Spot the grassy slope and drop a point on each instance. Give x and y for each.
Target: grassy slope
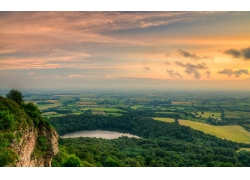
(234, 133)
(164, 119)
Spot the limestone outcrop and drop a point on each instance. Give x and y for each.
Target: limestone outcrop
(26, 138)
(27, 146)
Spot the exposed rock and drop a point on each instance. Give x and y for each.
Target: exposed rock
(26, 146)
(26, 139)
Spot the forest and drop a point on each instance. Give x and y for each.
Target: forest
(161, 144)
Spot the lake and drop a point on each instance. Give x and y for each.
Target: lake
(97, 134)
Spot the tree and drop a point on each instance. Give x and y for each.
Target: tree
(15, 95)
(72, 161)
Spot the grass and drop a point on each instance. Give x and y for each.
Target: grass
(46, 106)
(99, 109)
(243, 149)
(86, 103)
(234, 133)
(229, 114)
(164, 119)
(208, 113)
(181, 103)
(49, 113)
(55, 115)
(136, 106)
(166, 112)
(248, 125)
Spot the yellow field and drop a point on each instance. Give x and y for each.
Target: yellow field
(164, 119)
(234, 133)
(242, 149)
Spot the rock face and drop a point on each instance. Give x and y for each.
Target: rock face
(26, 147)
(26, 139)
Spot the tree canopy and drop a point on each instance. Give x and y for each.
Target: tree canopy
(15, 95)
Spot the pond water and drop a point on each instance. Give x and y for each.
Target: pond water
(97, 134)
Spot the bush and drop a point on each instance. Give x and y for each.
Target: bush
(72, 161)
(15, 95)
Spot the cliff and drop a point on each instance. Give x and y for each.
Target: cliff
(26, 139)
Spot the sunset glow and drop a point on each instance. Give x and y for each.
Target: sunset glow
(84, 50)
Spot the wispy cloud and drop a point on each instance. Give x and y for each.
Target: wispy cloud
(208, 73)
(237, 73)
(242, 53)
(192, 69)
(241, 71)
(190, 55)
(174, 74)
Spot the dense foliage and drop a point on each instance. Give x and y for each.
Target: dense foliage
(15, 95)
(15, 116)
(161, 144)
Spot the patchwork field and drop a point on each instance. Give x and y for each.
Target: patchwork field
(234, 133)
(229, 114)
(174, 103)
(86, 103)
(46, 106)
(208, 114)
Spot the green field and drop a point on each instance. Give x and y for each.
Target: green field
(164, 119)
(207, 114)
(99, 109)
(234, 114)
(234, 133)
(86, 103)
(46, 106)
(49, 113)
(136, 106)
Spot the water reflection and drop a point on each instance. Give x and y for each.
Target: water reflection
(97, 134)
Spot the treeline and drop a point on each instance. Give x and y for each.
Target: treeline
(162, 144)
(132, 152)
(45, 102)
(62, 111)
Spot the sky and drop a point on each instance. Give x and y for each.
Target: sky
(77, 50)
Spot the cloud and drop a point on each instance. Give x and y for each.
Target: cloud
(31, 73)
(168, 63)
(208, 73)
(246, 53)
(147, 68)
(242, 53)
(192, 69)
(174, 74)
(230, 72)
(241, 71)
(192, 56)
(235, 53)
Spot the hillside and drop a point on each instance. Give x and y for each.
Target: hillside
(26, 139)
